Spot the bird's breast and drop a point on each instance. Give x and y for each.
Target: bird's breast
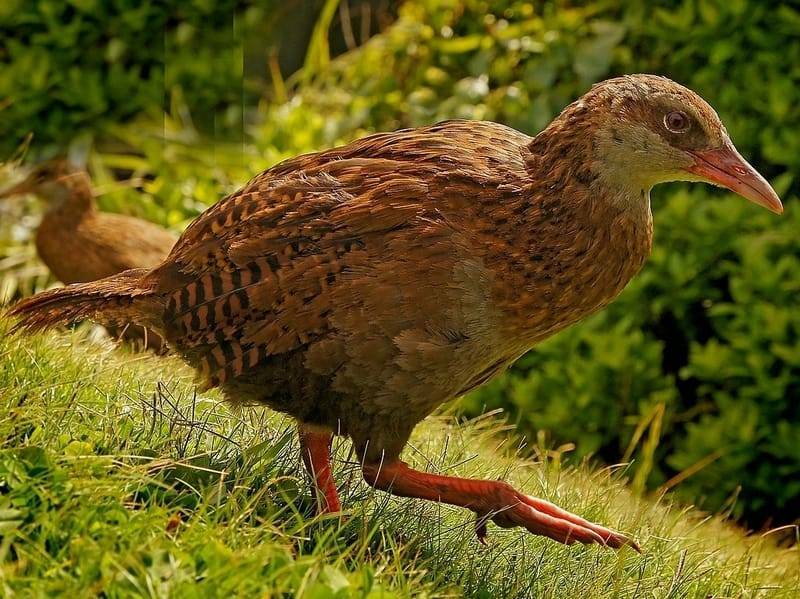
(567, 271)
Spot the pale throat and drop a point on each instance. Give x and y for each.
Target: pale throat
(626, 175)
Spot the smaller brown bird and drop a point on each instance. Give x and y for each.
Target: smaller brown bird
(78, 243)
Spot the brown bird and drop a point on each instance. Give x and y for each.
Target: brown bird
(357, 289)
(78, 243)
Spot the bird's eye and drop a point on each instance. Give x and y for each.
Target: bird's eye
(40, 175)
(677, 121)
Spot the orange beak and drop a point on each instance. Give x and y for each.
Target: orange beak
(725, 167)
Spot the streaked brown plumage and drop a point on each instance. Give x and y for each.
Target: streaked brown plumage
(359, 288)
(78, 243)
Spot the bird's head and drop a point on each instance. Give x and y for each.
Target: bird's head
(54, 181)
(649, 130)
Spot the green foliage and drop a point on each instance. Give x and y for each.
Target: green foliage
(69, 67)
(490, 60)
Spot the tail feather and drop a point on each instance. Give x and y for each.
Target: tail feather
(116, 300)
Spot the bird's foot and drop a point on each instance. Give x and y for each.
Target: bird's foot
(547, 519)
(492, 500)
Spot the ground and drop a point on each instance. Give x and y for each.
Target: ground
(116, 477)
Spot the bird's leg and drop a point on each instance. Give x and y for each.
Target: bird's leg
(492, 500)
(315, 447)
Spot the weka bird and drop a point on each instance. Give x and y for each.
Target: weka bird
(78, 243)
(357, 289)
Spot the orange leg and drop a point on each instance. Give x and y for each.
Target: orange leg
(492, 500)
(315, 447)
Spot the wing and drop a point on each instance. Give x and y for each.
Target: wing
(263, 272)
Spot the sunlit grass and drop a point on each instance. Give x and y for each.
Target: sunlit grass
(117, 479)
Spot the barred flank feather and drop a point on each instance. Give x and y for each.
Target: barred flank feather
(116, 300)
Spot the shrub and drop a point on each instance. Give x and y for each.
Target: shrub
(72, 67)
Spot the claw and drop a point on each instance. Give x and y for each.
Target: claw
(480, 529)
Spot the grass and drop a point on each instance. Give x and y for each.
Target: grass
(117, 480)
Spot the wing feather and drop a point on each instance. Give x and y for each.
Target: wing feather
(261, 272)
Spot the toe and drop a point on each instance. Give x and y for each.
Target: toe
(557, 529)
(609, 537)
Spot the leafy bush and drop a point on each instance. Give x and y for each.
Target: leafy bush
(70, 67)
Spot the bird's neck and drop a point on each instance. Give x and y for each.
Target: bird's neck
(71, 205)
(570, 169)
(577, 150)
(579, 237)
